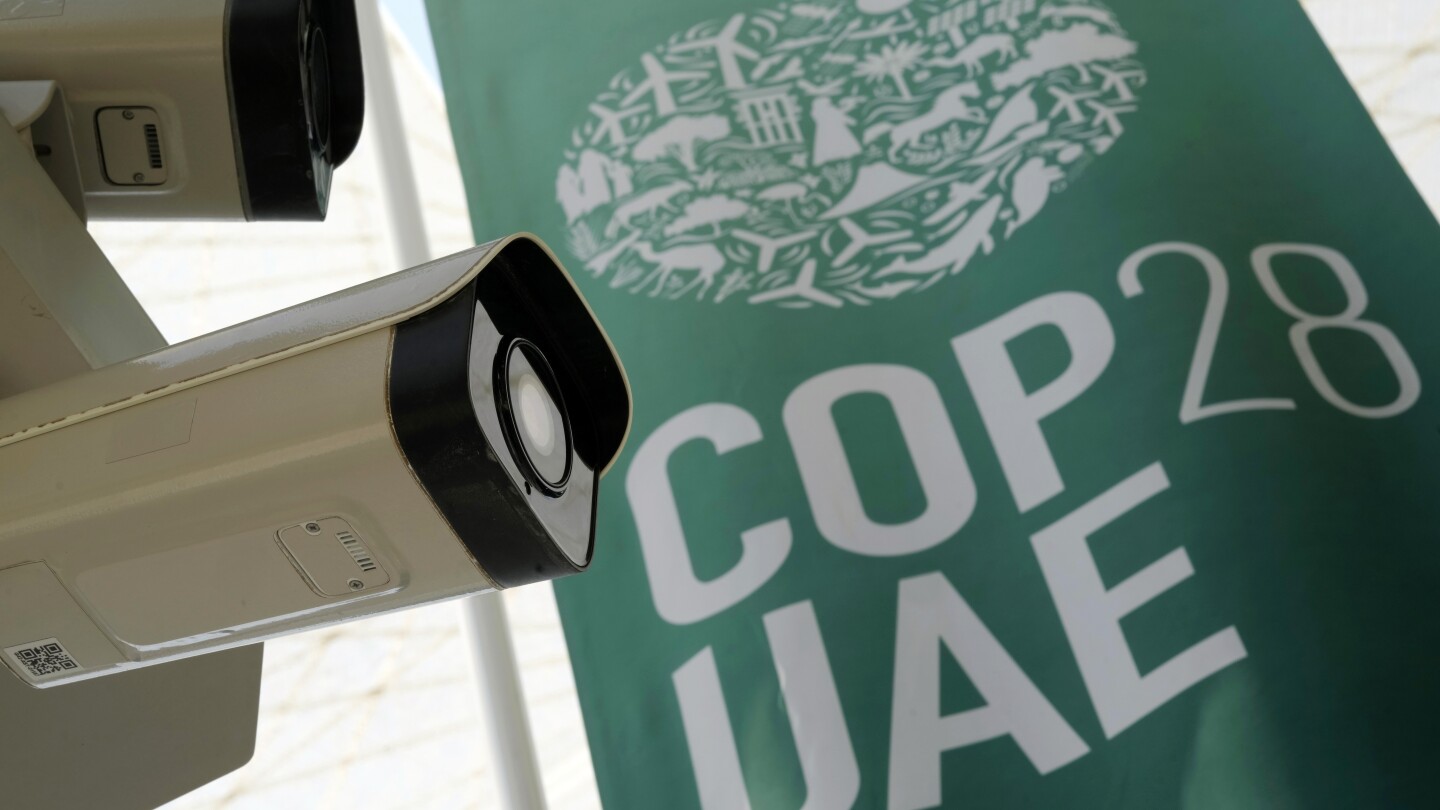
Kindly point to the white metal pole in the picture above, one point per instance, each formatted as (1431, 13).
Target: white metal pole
(386, 121)
(502, 699)
(512, 751)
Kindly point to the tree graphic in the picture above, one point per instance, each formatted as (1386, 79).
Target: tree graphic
(891, 62)
(680, 137)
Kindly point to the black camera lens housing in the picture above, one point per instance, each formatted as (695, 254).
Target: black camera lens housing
(529, 400)
(447, 405)
(317, 86)
(297, 101)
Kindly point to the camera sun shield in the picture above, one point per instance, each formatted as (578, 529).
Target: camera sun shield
(483, 383)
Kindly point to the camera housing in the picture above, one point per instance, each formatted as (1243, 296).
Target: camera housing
(192, 109)
(361, 453)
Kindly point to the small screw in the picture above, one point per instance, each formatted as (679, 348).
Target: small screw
(129, 115)
(313, 528)
(356, 585)
(139, 178)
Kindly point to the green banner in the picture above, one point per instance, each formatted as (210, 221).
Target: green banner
(1028, 398)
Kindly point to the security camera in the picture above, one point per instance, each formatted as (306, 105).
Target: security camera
(435, 433)
(190, 109)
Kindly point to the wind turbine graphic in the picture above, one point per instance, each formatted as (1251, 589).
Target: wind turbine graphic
(769, 246)
(804, 289)
(612, 123)
(1118, 80)
(728, 51)
(658, 79)
(861, 239)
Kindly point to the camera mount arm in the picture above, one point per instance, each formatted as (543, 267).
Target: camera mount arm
(63, 307)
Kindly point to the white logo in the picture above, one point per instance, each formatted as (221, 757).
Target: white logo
(840, 151)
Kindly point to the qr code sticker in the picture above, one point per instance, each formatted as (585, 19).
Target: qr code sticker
(42, 658)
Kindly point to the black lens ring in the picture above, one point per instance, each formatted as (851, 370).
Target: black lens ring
(541, 366)
(317, 86)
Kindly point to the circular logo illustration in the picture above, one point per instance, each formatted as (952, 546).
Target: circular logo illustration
(843, 152)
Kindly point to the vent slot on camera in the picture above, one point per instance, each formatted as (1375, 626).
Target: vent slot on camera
(357, 550)
(152, 146)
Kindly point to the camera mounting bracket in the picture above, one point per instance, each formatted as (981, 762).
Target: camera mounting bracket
(63, 307)
(37, 111)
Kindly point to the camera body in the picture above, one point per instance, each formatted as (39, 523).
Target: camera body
(432, 434)
(192, 109)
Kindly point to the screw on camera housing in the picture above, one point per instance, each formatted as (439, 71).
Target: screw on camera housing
(312, 527)
(356, 585)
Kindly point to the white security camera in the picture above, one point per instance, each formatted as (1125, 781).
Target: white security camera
(435, 433)
(190, 109)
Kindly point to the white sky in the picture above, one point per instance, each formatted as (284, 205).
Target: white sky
(409, 15)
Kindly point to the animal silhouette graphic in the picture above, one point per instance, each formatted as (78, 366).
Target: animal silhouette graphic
(647, 202)
(837, 153)
(961, 195)
(1096, 15)
(972, 56)
(958, 250)
(949, 106)
(596, 180)
(1029, 190)
(792, 192)
(814, 11)
(705, 259)
(600, 262)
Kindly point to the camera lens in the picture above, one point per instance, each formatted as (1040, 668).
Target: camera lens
(536, 414)
(533, 415)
